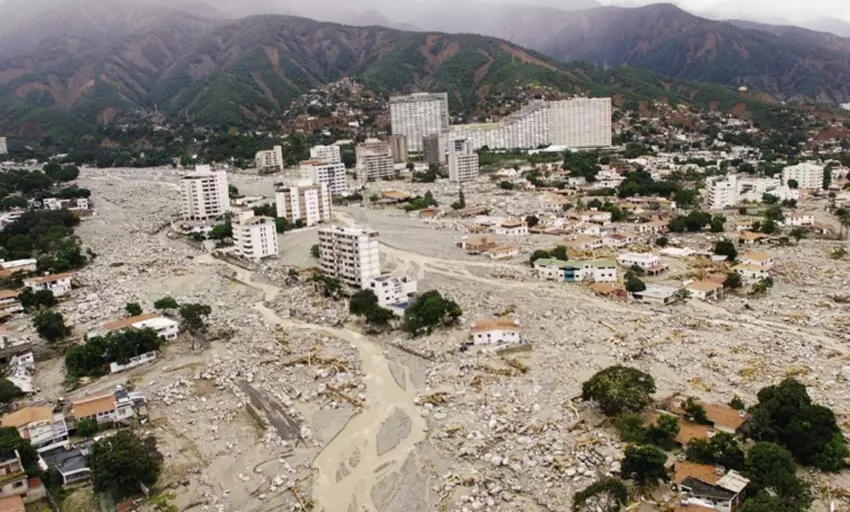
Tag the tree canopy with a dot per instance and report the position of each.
(50, 325)
(771, 468)
(194, 316)
(644, 464)
(605, 495)
(720, 450)
(119, 462)
(92, 358)
(428, 311)
(619, 389)
(11, 440)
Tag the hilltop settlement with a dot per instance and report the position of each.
(561, 304)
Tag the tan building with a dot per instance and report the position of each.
(398, 148)
(204, 194)
(269, 160)
(310, 204)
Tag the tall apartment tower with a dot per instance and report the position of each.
(311, 204)
(333, 175)
(418, 115)
(398, 148)
(326, 154)
(254, 237)
(373, 160)
(204, 194)
(434, 148)
(581, 122)
(269, 160)
(463, 162)
(806, 174)
(4, 147)
(350, 255)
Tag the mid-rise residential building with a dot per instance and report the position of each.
(398, 148)
(418, 115)
(463, 163)
(731, 190)
(332, 175)
(599, 271)
(808, 176)
(376, 167)
(434, 148)
(270, 160)
(371, 147)
(581, 122)
(4, 146)
(59, 284)
(254, 237)
(14, 484)
(326, 154)
(350, 255)
(393, 293)
(204, 194)
(311, 204)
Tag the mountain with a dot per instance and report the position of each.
(835, 26)
(248, 70)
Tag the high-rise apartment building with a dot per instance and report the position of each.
(269, 160)
(370, 147)
(434, 148)
(4, 147)
(204, 194)
(254, 237)
(398, 148)
(333, 175)
(807, 175)
(311, 204)
(376, 167)
(418, 115)
(350, 255)
(581, 122)
(463, 162)
(326, 154)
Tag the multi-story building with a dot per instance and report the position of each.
(581, 122)
(392, 292)
(434, 148)
(14, 481)
(807, 175)
(333, 175)
(463, 163)
(204, 194)
(59, 284)
(326, 154)
(270, 160)
(398, 148)
(350, 255)
(254, 237)
(376, 167)
(418, 115)
(728, 191)
(44, 428)
(104, 409)
(311, 204)
(164, 327)
(529, 127)
(722, 192)
(370, 147)
(4, 147)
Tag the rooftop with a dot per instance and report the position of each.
(493, 324)
(12, 503)
(703, 472)
(9, 294)
(129, 321)
(756, 256)
(92, 406)
(725, 416)
(49, 279)
(704, 286)
(26, 416)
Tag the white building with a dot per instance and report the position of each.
(705, 290)
(491, 331)
(4, 147)
(807, 175)
(463, 163)
(350, 255)
(310, 204)
(204, 194)
(751, 273)
(59, 284)
(375, 167)
(326, 154)
(165, 328)
(103, 409)
(799, 219)
(761, 259)
(254, 237)
(643, 260)
(72, 205)
(44, 429)
(28, 264)
(333, 175)
(581, 122)
(529, 127)
(393, 291)
(728, 191)
(418, 115)
(269, 160)
(513, 227)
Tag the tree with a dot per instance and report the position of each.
(717, 224)
(92, 358)
(634, 283)
(34, 300)
(532, 221)
(10, 441)
(461, 201)
(726, 248)
(506, 185)
(194, 316)
(763, 285)
(798, 233)
(428, 311)
(827, 178)
(362, 302)
(737, 404)
(329, 286)
(769, 227)
(539, 254)
(644, 464)
(8, 391)
(619, 389)
(733, 281)
(120, 462)
(560, 252)
(769, 198)
(720, 450)
(166, 303)
(694, 411)
(232, 191)
(664, 432)
(605, 495)
(50, 325)
(793, 184)
(662, 241)
(771, 468)
(315, 251)
(87, 427)
(133, 309)
(763, 502)
(630, 427)
(222, 231)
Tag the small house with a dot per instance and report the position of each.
(490, 331)
(705, 290)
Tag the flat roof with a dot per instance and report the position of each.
(127, 322)
(492, 324)
(92, 406)
(26, 416)
(704, 286)
(48, 279)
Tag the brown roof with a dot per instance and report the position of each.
(704, 286)
(687, 431)
(396, 194)
(127, 322)
(718, 277)
(92, 406)
(756, 256)
(48, 279)
(512, 223)
(12, 503)
(480, 240)
(491, 324)
(9, 294)
(692, 508)
(702, 472)
(725, 416)
(504, 248)
(26, 416)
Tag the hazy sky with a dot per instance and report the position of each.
(792, 10)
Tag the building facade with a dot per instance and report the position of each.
(398, 148)
(376, 167)
(350, 255)
(463, 163)
(4, 146)
(370, 147)
(310, 204)
(332, 175)
(392, 291)
(728, 191)
(418, 115)
(204, 194)
(529, 127)
(491, 331)
(434, 148)
(808, 176)
(59, 284)
(581, 122)
(254, 237)
(326, 154)
(269, 160)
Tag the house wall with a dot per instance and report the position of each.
(496, 336)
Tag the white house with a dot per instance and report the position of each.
(657, 293)
(655, 227)
(511, 228)
(165, 328)
(19, 265)
(503, 252)
(758, 258)
(103, 409)
(490, 331)
(751, 273)
(392, 291)
(643, 260)
(617, 240)
(59, 284)
(799, 219)
(705, 290)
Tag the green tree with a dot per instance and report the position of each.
(133, 309)
(362, 303)
(120, 462)
(532, 221)
(10, 441)
(222, 231)
(506, 185)
(726, 248)
(694, 411)
(737, 404)
(194, 316)
(8, 391)
(34, 300)
(769, 227)
(461, 201)
(539, 254)
(605, 495)
(662, 241)
(769, 198)
(232, 191)
(428, 311)
(560, 252)
(827, 178)
(664, 432)
(166, 303)
(50, 325)
(733, 281)
(630, 427)
(720, 450)
(315, 251)
(619, 389)
(634, 283)
(798, 233)
(763, 502)
(87, 427)
(644, 465)
(771, 468)
(793, 184)
(329, 286)
(717, 224)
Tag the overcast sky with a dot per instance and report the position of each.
(792, 10)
